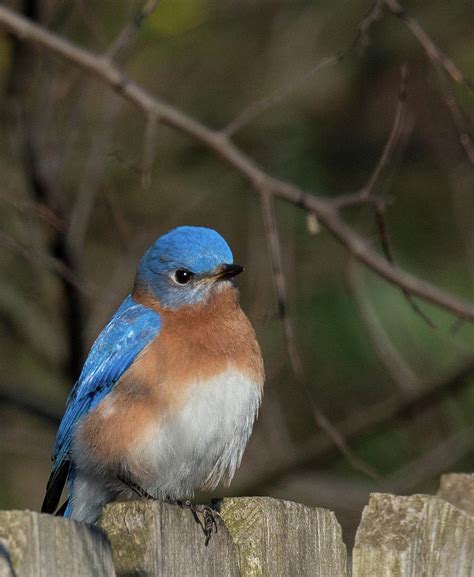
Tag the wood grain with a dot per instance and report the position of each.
(275, 537)
(415, 536)
(157, 539)
(36, 545)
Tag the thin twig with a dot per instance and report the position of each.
(401, 373)
(365, 194)
(149, 149)
(42, 211)
(256, 108)
(44, 189)
(37, 409)
(459, 119)
(439, 61)
(357, 425)
(273, 242)
(128, 33)
(373, 15)
(50, 263)
(89, 185)
(433, 52)
(431, 463)
(393, 139)
(379, 212)
(327, 214)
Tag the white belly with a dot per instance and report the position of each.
(204, 441)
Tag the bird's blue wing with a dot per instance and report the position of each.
(128, 332)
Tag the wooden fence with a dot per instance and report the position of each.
(414, 536)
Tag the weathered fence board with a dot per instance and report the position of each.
(261, 537)
(35, 545)
(458, 489)
(6, 565)
(416, 536)
(161, 540)
(276, 538)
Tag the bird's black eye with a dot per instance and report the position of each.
(183, 276)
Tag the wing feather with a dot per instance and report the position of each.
(128, 332)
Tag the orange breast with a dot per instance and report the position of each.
(195, 343)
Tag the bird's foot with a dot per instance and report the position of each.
(136, 489)
(206, 517)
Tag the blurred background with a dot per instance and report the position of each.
(86, 185)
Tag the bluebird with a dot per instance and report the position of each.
(170, 390)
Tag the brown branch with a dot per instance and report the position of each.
(149, 149)
(373, 15)
(91, 180)
(255, 109)
(30, 406)
(365, 194)
(128, 33)
(440, 62)
(458, 118)
(393, 139)
(43, 190)
(438, 459)
(327, 214)
(320, 418)
(436, 56)
(379, 212)
(364, 422)
(401, 373)
(433, 52)
(42, 211)
(53, 264)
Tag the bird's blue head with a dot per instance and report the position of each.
(185, 265)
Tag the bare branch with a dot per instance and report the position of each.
(365, 194)
(401, 373)
(433, 52)
(149, 148)
(440, 62)
(257, 108)
(432, 463)
(127, 35)
(52, 264)
(42, 211)
(394, 136)
(91, 179)
(35, 408)
(374, 14)
(327, 214)
(379, 211)
(459, 120)
(363, 422)
(436, 56)
(319, 416)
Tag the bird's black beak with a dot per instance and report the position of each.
(228, 271)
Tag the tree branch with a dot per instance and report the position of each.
(30, 406)
(433, 52)
(128, 33)
(256, 108)
(327, 214)
(357, 425)
(279, 281)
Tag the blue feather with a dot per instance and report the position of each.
(197, 249)
(129, 331)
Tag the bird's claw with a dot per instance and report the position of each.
(206, 517)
